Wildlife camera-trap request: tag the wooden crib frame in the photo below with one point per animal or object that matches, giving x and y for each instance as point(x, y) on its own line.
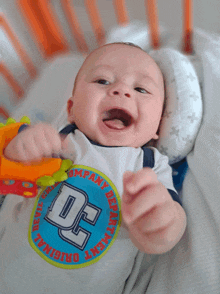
point(47, 33)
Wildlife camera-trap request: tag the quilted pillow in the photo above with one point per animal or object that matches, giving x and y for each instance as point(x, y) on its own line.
point(183, 104)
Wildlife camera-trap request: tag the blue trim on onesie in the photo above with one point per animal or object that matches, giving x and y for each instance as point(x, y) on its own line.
point(22, 127)
point(149, 161)
point(148, 157)
point(175, 196)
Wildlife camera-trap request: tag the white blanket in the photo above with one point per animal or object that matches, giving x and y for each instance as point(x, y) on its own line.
point(193, 266)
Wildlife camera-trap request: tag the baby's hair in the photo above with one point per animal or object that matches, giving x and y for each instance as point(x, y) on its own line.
point(125, 43)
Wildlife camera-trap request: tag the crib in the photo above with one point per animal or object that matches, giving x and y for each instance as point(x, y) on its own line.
point(43, 39)
point(36, 31)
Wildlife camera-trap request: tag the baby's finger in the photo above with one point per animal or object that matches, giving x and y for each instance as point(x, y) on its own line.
point(27, 151)
point(54, 140)
point(20, 153)
point(43, 143)
point(144, 202)
point(127, 178)
point(64, 141)
point(158, 218)
point(140, 180)
point(139, 205)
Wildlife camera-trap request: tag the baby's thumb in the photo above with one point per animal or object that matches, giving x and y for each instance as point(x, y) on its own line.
point(127, 182)
point(64, 142)
point(67, 149)
point(127, 176)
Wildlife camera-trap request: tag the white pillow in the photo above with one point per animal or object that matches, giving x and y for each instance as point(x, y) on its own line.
point(136, 32)
point(183, 104)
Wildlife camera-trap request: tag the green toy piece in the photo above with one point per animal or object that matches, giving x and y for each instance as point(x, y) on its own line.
point(25, 120)
point(45, 181)
point(11, 120)
point(59, 176)
point(66, 164)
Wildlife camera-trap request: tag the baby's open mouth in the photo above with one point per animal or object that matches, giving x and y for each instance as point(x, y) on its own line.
point(117, 119)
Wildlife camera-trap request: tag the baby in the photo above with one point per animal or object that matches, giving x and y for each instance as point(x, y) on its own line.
point(115, 109)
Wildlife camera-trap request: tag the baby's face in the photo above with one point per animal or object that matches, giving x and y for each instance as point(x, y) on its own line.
point(118, 97)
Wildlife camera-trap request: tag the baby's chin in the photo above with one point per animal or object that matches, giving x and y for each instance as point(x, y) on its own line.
point(116, 142)
point(127, 141)
point(109, 137)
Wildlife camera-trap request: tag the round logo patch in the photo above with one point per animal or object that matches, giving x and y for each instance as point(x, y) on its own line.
point(74, 223)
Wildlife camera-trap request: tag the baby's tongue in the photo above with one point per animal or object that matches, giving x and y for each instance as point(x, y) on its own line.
point(114, 124)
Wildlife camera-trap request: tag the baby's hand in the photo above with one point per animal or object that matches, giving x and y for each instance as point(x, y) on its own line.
point(34, 143)
point(154, 220)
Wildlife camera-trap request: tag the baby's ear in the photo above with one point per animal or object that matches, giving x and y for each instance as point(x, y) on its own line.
point(70, 110)
point(155, 137)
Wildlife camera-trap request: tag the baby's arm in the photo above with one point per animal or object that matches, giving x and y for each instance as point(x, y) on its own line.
point(34, 143)
point(155, 221)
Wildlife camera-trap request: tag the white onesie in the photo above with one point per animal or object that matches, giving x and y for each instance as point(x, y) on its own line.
point(69, 239)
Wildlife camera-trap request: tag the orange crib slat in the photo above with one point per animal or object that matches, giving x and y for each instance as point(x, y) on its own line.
point(187, 27)
point(96, 21)
point(74, 25)
point(121, 12)
point(151, 12)
point(11, 80)
point(44, 26)
point(18, 47)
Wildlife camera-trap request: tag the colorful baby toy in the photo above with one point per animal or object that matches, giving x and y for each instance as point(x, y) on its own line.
point(18, 178)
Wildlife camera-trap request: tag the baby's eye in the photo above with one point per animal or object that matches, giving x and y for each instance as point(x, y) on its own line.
point(141, 90)
point(102, 82)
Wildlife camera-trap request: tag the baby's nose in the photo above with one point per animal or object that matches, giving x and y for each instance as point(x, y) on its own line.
point(120, 90)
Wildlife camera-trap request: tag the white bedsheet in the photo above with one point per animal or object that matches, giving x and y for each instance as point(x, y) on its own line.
point(193, 266)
